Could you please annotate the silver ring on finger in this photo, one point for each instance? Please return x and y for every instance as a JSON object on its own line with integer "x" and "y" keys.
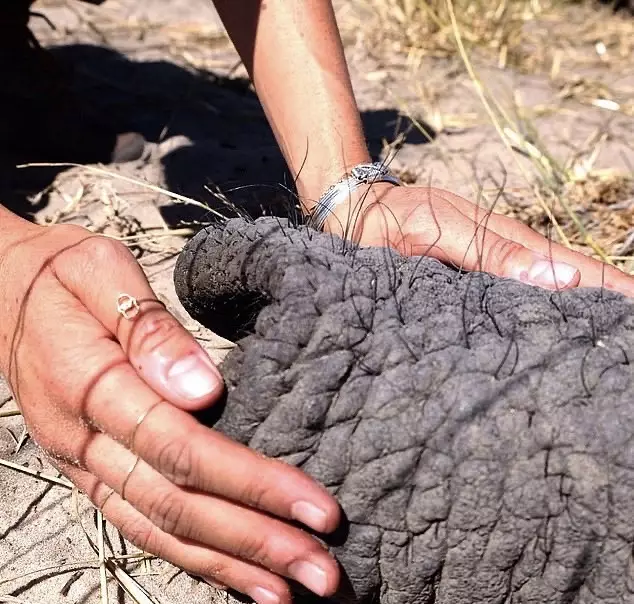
{"x": 127, "y": 477}
{"x": 140, "y": 420}
{"x": 111, "y": 492}
{"x": 147, "y": 412}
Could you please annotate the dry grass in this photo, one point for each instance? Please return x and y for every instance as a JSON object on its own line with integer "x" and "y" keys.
{"x": 567, "y": 42}
{"x": 423, "y": 27}
{"x": 602, "y": 203}
{"x": 107, "y": 563}
{"x": 527, "y": 34}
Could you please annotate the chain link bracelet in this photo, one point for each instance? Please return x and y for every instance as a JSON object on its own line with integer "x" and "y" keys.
{"x": 362, "y": 174}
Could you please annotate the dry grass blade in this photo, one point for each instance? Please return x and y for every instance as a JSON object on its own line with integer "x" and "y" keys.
{"x": 134, "y": 181}
{"x": 553, "y": 178}
{"x": 72, "y": 566}
{"x": 132, "y": 587}
{"x": 61, "y": 568}
{"x": 36, "y": 474}
{"x": 535, "y": 36}
{"x": 24, "y": 436}
{"x": 58, "y": 568}
{"x": 12, "y": 413}
{"x": 103, "y": 579}
{"x": 185, "y": 232}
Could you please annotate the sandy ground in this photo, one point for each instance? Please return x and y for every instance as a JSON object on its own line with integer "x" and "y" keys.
{"x": 163, "y": 68}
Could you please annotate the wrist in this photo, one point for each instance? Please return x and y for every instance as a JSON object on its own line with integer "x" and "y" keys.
{"x": 351, "y": 192}
{"x": 347, "y": 219}
{"x": 312, "y": 181}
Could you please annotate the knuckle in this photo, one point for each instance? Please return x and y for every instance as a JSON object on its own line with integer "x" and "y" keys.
{"x": 96, "y": 251}
{"x": 154, "y": 332}
{"x": 175, "y": 461}
{"x": 500, "y": 251}
{"x": 64, "y": 445}
{"x": 141, "y": 533}
{"x": 253, "y": 547}
{"x": 255, "y": 493}
{"x": 167, "y": 511}
{"x": 215, "y": 568}
{"x": 103, "y": 249}
{"x": 69, "y": 232}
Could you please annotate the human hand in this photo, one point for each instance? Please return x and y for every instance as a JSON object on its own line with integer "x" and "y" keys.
{"x": 108, "y": 400}
{"x": 433, "y": 222}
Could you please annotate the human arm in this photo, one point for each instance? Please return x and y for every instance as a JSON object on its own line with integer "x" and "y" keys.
{"x": 293, "y": 52}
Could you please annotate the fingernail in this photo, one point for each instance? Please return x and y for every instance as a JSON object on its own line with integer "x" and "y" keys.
{"x": 193, "y": 377}
{"x": 547, "y": 273}
{"x": 264, "y": 596}
{"x": 310, "y": 575}
{"x": 310, "y": 515}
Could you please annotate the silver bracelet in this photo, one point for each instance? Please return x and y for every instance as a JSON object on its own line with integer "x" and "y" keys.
{"x": 362, "y": 174}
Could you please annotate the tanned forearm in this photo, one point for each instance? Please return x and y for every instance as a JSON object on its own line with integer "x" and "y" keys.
{"x": 294, "y": 55}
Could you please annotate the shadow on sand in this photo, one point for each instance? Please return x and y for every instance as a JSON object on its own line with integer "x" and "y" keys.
{"x": 211, "y": 129}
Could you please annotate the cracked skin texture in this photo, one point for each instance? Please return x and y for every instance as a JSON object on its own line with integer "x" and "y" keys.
{"x": 478, "y": 432}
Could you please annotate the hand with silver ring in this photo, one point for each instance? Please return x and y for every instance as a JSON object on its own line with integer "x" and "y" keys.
{"x": 426, "y": 221}
{"x": 106, "y": 378}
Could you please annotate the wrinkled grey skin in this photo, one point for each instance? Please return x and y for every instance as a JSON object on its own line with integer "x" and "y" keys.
{"x": 478, "y": 433}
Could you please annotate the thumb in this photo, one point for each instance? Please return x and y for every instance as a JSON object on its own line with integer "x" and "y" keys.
{"x": 107, "y": 280}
